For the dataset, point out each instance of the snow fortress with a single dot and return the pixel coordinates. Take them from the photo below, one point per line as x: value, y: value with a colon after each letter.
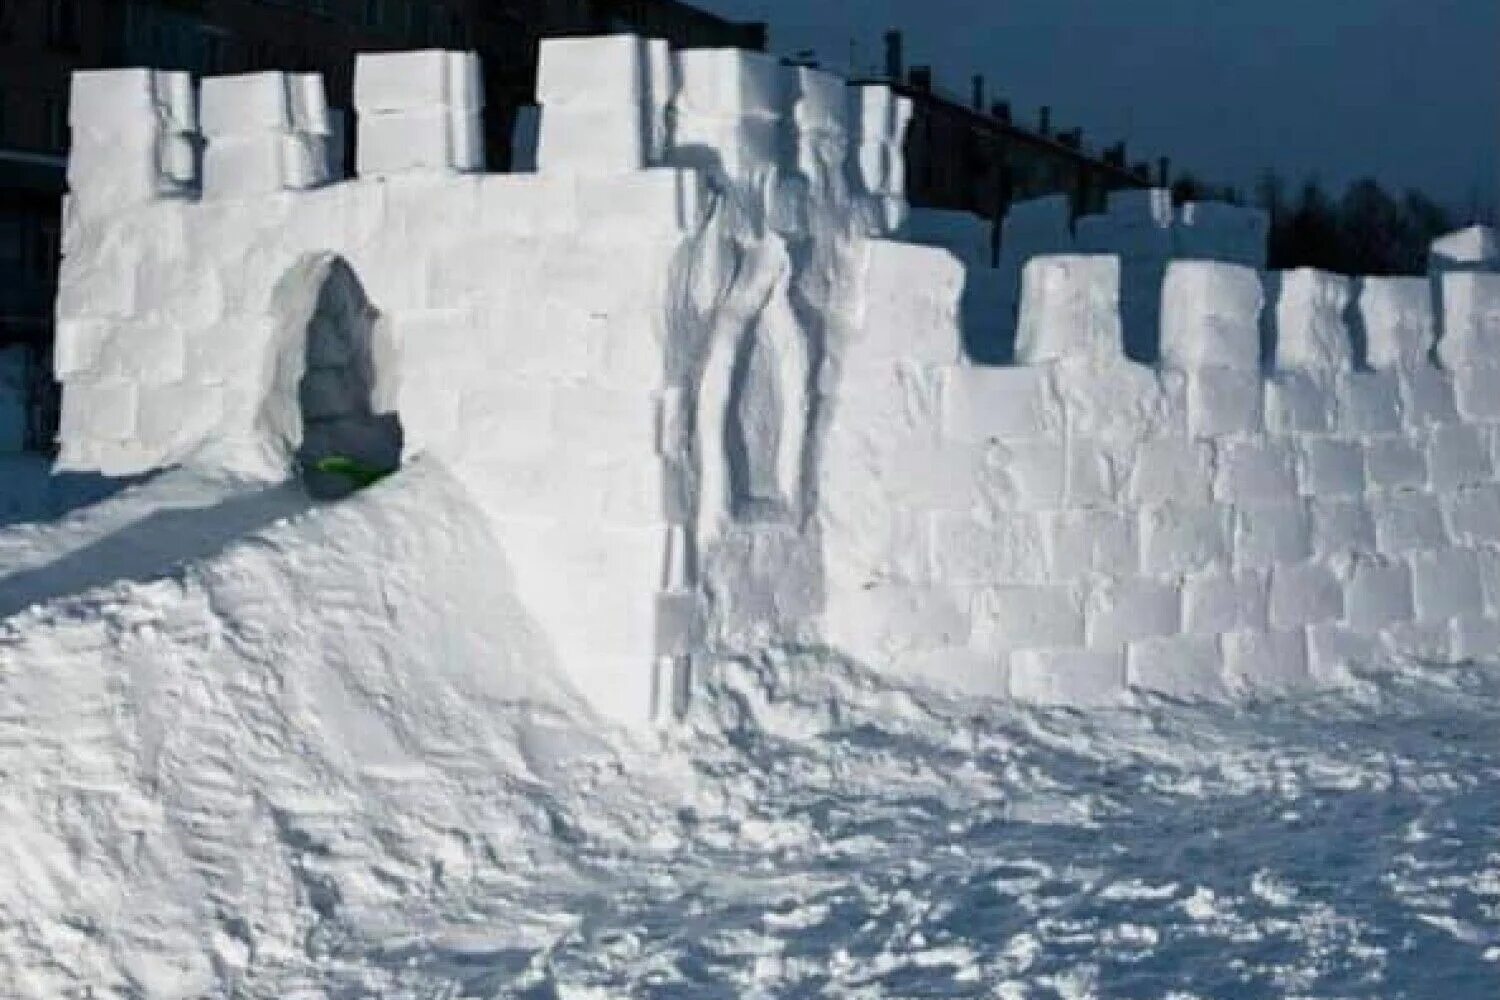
x: 711, y: 399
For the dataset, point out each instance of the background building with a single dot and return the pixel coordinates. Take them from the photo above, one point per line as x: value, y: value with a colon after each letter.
x: 969, y: 153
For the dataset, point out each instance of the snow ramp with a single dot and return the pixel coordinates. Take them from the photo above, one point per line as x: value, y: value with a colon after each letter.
x: 201, y: 764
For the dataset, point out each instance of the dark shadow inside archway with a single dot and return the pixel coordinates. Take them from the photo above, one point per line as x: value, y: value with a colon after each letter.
x: 345, y: 442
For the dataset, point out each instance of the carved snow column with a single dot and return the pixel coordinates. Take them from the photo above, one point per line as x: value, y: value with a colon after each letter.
x: 881, y: 118
x: 134, y: 139
x: 418, y: 111
x: 265, y: 132
x: 603, y: 104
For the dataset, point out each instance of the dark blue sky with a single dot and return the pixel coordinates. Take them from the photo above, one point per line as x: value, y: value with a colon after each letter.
x: 1407, y: 91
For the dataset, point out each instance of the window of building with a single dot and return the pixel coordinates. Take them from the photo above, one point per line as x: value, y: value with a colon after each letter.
x: 63, y: 23
x: 374, y: 13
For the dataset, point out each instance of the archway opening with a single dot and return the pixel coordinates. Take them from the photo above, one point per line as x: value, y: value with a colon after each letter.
x: 345, y: 442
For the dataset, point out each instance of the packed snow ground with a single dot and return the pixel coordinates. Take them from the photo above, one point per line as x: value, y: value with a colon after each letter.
x: 256, y: 747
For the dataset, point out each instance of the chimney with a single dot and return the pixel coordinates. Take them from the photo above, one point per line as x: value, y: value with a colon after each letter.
x: 895, y: 68
x: 1001, y: 110
x: 1044, y: 123
x: 1164, y: 172
x: 920, y: 78
x: 978, y: 99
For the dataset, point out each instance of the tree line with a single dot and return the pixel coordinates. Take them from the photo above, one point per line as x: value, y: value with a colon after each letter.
x: 1366, y: 230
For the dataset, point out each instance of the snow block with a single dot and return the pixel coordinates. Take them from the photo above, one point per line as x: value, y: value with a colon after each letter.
x: 1475, y: 637
x: 1254, y: 472
x: 1028, y: 617
x: 1407, y: 522
x: 1222, y: 602
x: 1367, y: 403
x: 1080, y: 543
x: 1224, y: 401
x: 1335, y: 654
x: 1182, y: 668
x: 880, y: 114
x: 1399, y: 324
x: 1266, y: 663
x: 1120, y: 403
x: 1471, y: 319
x: 1267, y: 534
x: 245, y: 104
x: 894, y: 618
x: 1304, y: 594
x: 1327, y: 467
x: 1008, y: 549
x: 1428, y: 398
x: 1445, y: 584
x: 1168, y: 470
x: 1210, y: 316
x: 1473, y: 516
x: 1070, y: 310
x: 823, y: 102
x: 1395, y: 463
x: 1477, y: 392
x: 134, y: 138
x: 131, y: 102
x: 1458, y: 456
x: 733, y: 83
x: 1378, y: 594
x: 911, y: 307
x: 981, y: 404
x: 1341, y: 527
x: 1298, y: 403
x: 429, y: 79
x: 1122, y: 610
x: 430, y: 139
x: 1072, y: 678
x: 1474, y: 249
x: 1177, y: 539
x: 1311, y: 333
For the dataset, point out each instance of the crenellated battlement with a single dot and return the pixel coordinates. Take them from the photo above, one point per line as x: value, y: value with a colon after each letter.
x: 715, y: 386
x: 608, y: 106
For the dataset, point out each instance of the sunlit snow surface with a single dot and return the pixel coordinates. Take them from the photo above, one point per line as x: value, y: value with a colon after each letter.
x: 196, y: 804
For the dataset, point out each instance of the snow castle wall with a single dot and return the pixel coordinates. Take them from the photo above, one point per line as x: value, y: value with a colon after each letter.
x: 710, y: 399
x: 1079, y: 526
x: 551, y: 336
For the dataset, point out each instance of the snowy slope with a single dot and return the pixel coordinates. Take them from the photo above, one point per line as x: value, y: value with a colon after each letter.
x: 324, y: 758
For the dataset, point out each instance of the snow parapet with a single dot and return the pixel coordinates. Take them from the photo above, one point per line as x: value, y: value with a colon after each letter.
x: 707, y: 402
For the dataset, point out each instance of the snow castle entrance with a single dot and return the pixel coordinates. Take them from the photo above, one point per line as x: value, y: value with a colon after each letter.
x: 332, y: 381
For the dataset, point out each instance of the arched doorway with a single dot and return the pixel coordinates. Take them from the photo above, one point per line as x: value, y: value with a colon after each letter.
x: 326, y: 403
